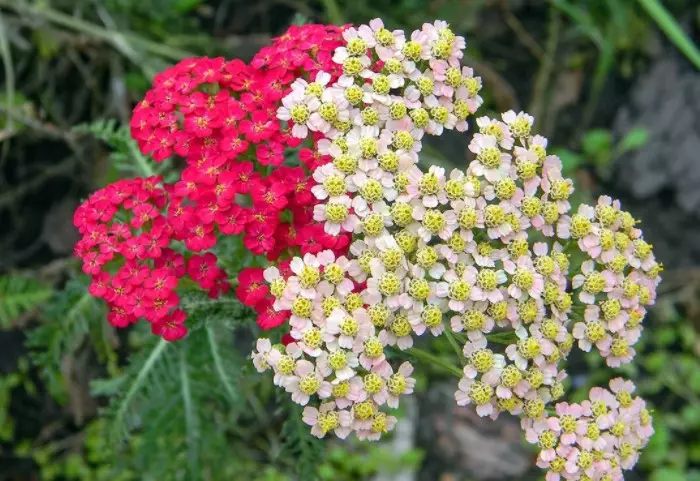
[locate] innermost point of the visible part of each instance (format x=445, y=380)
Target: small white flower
x=264, y=355
x=306, y=382
x=326, y=416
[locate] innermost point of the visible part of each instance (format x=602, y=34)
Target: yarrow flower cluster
x=594, y=440
x=127, y=234
x=368, y=251
x=220, y=117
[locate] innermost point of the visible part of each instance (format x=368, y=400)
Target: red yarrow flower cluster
x=221, y=118
x=126, y=247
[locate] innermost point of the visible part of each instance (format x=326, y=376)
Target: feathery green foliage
x=306, y=449
x=70, y=317
x=19, y=295
x=125, y=157
x=185, y=403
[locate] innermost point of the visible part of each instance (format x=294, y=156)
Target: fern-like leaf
x=188, y=401
x=305, y=449
x=121, y=420
x=125, y=155
x=191, y=421
x=19, y=295
x=223, y=371
x=70, y=316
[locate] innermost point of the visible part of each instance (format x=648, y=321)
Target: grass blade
x=672, y=29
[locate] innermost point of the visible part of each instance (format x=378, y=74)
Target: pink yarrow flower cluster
x=470, y=254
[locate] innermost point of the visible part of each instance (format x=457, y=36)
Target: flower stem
x=426, y=356
x=453, y=342
x=508, y=337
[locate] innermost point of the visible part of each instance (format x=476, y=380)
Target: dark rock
x=459, y=444
x=660, y=183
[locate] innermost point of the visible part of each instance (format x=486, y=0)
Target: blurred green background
x=615, y=86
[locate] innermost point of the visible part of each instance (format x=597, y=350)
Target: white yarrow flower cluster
x=488, y=253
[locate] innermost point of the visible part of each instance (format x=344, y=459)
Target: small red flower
x=172, y=327
x=260, y=126
x=251, y=286
x=268, y=317
x=118, y=317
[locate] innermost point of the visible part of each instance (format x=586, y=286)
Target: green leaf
x=657, y=450
x=124, y=406
x=300, y=443
x=694, y=380
x=185, y=6
x=502, y=337
x=19, y=295
x=71, y=315
x=222, y=371
x=655, y=361
x=597, y=145
x=672, y=29
x=583, y=21
x=299, y=19
x=667, y=474
x=635, y=139
x=665, y=336
x=694, y=453
x=191, y=421
x=691, y=416
x=570, y=160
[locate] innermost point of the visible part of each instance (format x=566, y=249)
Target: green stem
x=190, y=419
x=426, y=356
x=503, y=337
x=544, y=73
x=673, y=31
x=120, y=417
x=605, y=63
x=453, y=342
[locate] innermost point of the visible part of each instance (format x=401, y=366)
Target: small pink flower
x=313, y=416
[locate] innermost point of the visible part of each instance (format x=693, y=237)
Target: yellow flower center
x=301, y=307
x=373, y=224
x=400, y=327
x=396, y=384
x=309, y=384
x=378, y=314
x=511, y=376
x=356, y=47
x=353, y=301
x=337, y=360
x=336, y=213
x=473, y=320
x=372, y=383
x=309, y=277
x=312, y=337
x=490, y=157
x=434, y=221
x=372, y=191
x=494, y=216
x=431, y=316
x=480, y=393
x=299, y=113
